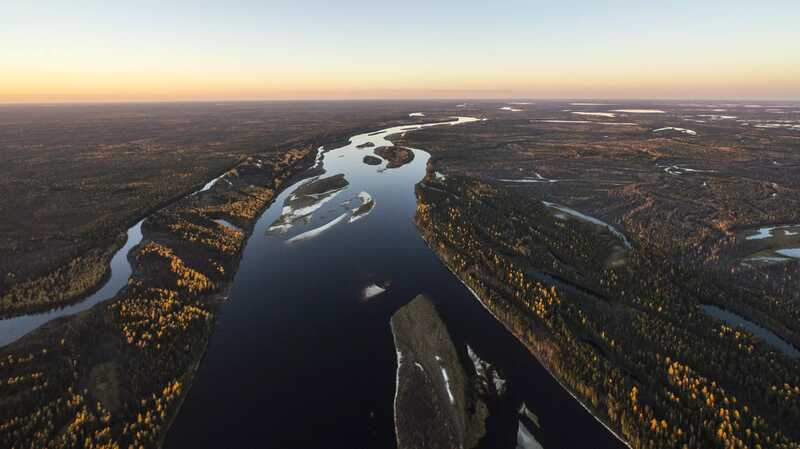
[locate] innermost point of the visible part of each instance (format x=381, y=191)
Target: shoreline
x=323, y=142
x=311, y=161
x=116, y=372
x=113, y=248
x=533, y=353
x=218, y=299
x=545, y=366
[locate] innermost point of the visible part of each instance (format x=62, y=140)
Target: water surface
x=302, y=357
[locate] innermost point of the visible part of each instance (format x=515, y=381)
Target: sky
x=54, y=51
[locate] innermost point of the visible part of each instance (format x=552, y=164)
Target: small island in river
x=436, y=405
x=397, y=156
x=372, y=160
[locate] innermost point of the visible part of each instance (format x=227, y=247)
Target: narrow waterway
x=302, y=355
x=12, y=329
x=765, y=334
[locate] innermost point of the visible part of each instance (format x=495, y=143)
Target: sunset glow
x=56, y=51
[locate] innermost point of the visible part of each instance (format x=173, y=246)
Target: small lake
x=765, y=334
x=771, y=244
x=769, y=232
x=302, y=354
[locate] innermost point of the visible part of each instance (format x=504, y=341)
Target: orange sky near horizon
x=176, y=86
x=55, y=51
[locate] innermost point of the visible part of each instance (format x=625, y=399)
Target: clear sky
x=309, y=49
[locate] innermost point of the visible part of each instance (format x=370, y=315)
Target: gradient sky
x=309, y=49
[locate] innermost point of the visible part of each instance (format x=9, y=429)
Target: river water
x=14, y=328
x=302, y=354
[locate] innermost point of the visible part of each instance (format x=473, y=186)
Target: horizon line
x=389, y=99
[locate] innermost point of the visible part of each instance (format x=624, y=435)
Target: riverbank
x=299, y=336
x=515, y=268
x=61, y=230
x=153, y=334
x=536, y=349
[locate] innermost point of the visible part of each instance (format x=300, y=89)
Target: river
x=302, y=355
x=12, y=329
x=765, y=334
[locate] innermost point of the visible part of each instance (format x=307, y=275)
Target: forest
x=629, y=340
x=75, y=177
x=615, y=310
x=115, y=375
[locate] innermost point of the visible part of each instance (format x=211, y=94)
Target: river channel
x=302, y=354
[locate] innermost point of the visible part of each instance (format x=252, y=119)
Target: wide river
x=299, y=359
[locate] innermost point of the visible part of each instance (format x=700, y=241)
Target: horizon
x=349, y=51
x=543, y=100
x=414, y=225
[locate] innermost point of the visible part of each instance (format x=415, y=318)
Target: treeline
x=629, y=340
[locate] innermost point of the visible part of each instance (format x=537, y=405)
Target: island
x=436, y=405
x=397, y=156
x=372, y=160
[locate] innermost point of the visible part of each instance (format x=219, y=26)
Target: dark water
x=299, y=359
